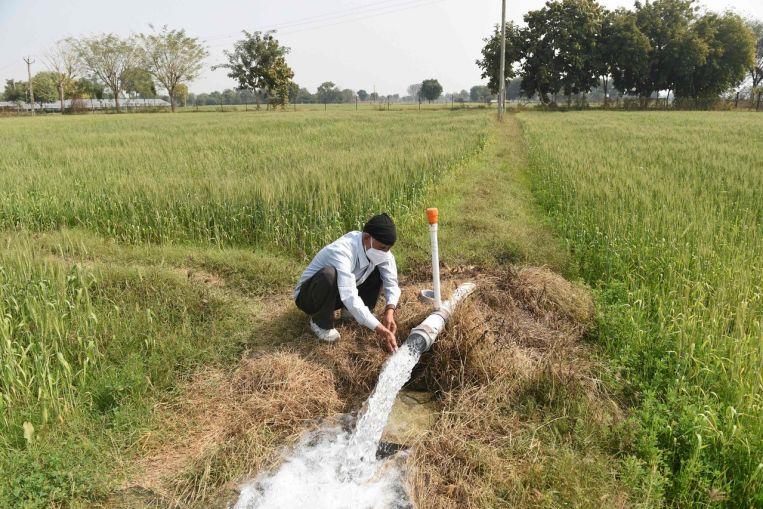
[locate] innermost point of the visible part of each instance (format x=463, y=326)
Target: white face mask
x=376, y=256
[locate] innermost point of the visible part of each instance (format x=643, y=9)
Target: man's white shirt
x=348, y=257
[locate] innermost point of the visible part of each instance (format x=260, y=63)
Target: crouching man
x=349, y=274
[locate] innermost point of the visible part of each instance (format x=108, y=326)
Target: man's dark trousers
x=319, y=295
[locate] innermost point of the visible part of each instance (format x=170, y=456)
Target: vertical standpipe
x=432, y=218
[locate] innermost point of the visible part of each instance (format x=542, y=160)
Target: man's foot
x=329, y=336
x=345, y=314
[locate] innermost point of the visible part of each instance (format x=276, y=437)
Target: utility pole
x=502, y=83
x=29, y=63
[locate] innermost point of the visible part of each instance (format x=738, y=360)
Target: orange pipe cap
x=432, y=215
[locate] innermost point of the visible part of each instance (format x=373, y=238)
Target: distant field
x=285, y=179
x=664, y=213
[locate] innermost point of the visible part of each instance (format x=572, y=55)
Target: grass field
x=146, y=254
x=664, y=214
x=95, y=331
x=271, y=179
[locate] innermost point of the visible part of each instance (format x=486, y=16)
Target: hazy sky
x=354, y=43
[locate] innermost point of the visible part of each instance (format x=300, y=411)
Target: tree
x=490, y=63
x=431, y=89
x=45, y=87
x=730, y=53
x=304, y=96
x=64, y=62
x=138, y=82
x=181, y=92
x=109, y=58
x=622, y=53
x=258, y=63
x=14, y=91
x=415, y=91
x=85, y=88
x=559, y=48
x=756, y=69
x=362, y=95
x=347, y=96
x=328, y=93
x=674, y=49
x=293, y=92
x=479, y=93
x=374, y=96
x=172, y=58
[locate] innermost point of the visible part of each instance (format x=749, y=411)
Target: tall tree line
x=569, y=47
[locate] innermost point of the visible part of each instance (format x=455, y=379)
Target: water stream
x=335, y=468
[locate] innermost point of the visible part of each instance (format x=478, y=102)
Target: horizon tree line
x=569, y=47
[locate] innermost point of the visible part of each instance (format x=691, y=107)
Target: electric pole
x=502, y=83
x=29, y=63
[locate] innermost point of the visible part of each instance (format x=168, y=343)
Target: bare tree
x=172, y=58
x=64, y=62
x=415, y=90
x=109, y=58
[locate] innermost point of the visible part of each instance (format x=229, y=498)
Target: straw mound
x=517, y=340
x=231, y=424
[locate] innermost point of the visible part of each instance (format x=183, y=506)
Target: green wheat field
x=661, y=214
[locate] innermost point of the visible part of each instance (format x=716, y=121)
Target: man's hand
x=388, y=320
x=390, y=342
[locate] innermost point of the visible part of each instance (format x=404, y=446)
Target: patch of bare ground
x=518, y=337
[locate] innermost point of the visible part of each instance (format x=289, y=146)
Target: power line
x=320, y=17
x=340, y=18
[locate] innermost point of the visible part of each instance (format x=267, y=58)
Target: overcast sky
x=381, y=44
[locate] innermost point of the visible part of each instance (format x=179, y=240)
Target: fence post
x=356, y=103
x=736, y=101
x=387, y=103
x=325, y=106
x=757, y=106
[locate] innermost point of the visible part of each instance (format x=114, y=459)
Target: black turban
x=381, y=228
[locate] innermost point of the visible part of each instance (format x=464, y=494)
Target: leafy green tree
x=362, y=95
x=622, y=53
x=172, y=58
x=45, y=87
x=86, y=88
x=281, y=76
x=373, y=97
x=109, y=58
x=756, y=69
x=730, y=53
x=559, y=48
x=347, y=96
x=14, y=91
x=304, y=96
x=479, y=93
x=258, y=63
x=431, y=89
x=490, y=63
x=675, y=50
x=328, y=92
x=139, y=82
x=293, y=92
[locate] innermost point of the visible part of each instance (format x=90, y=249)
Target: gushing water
x=333, y=468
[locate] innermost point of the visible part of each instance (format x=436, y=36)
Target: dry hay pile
x=517, y=339
x=230, y=425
